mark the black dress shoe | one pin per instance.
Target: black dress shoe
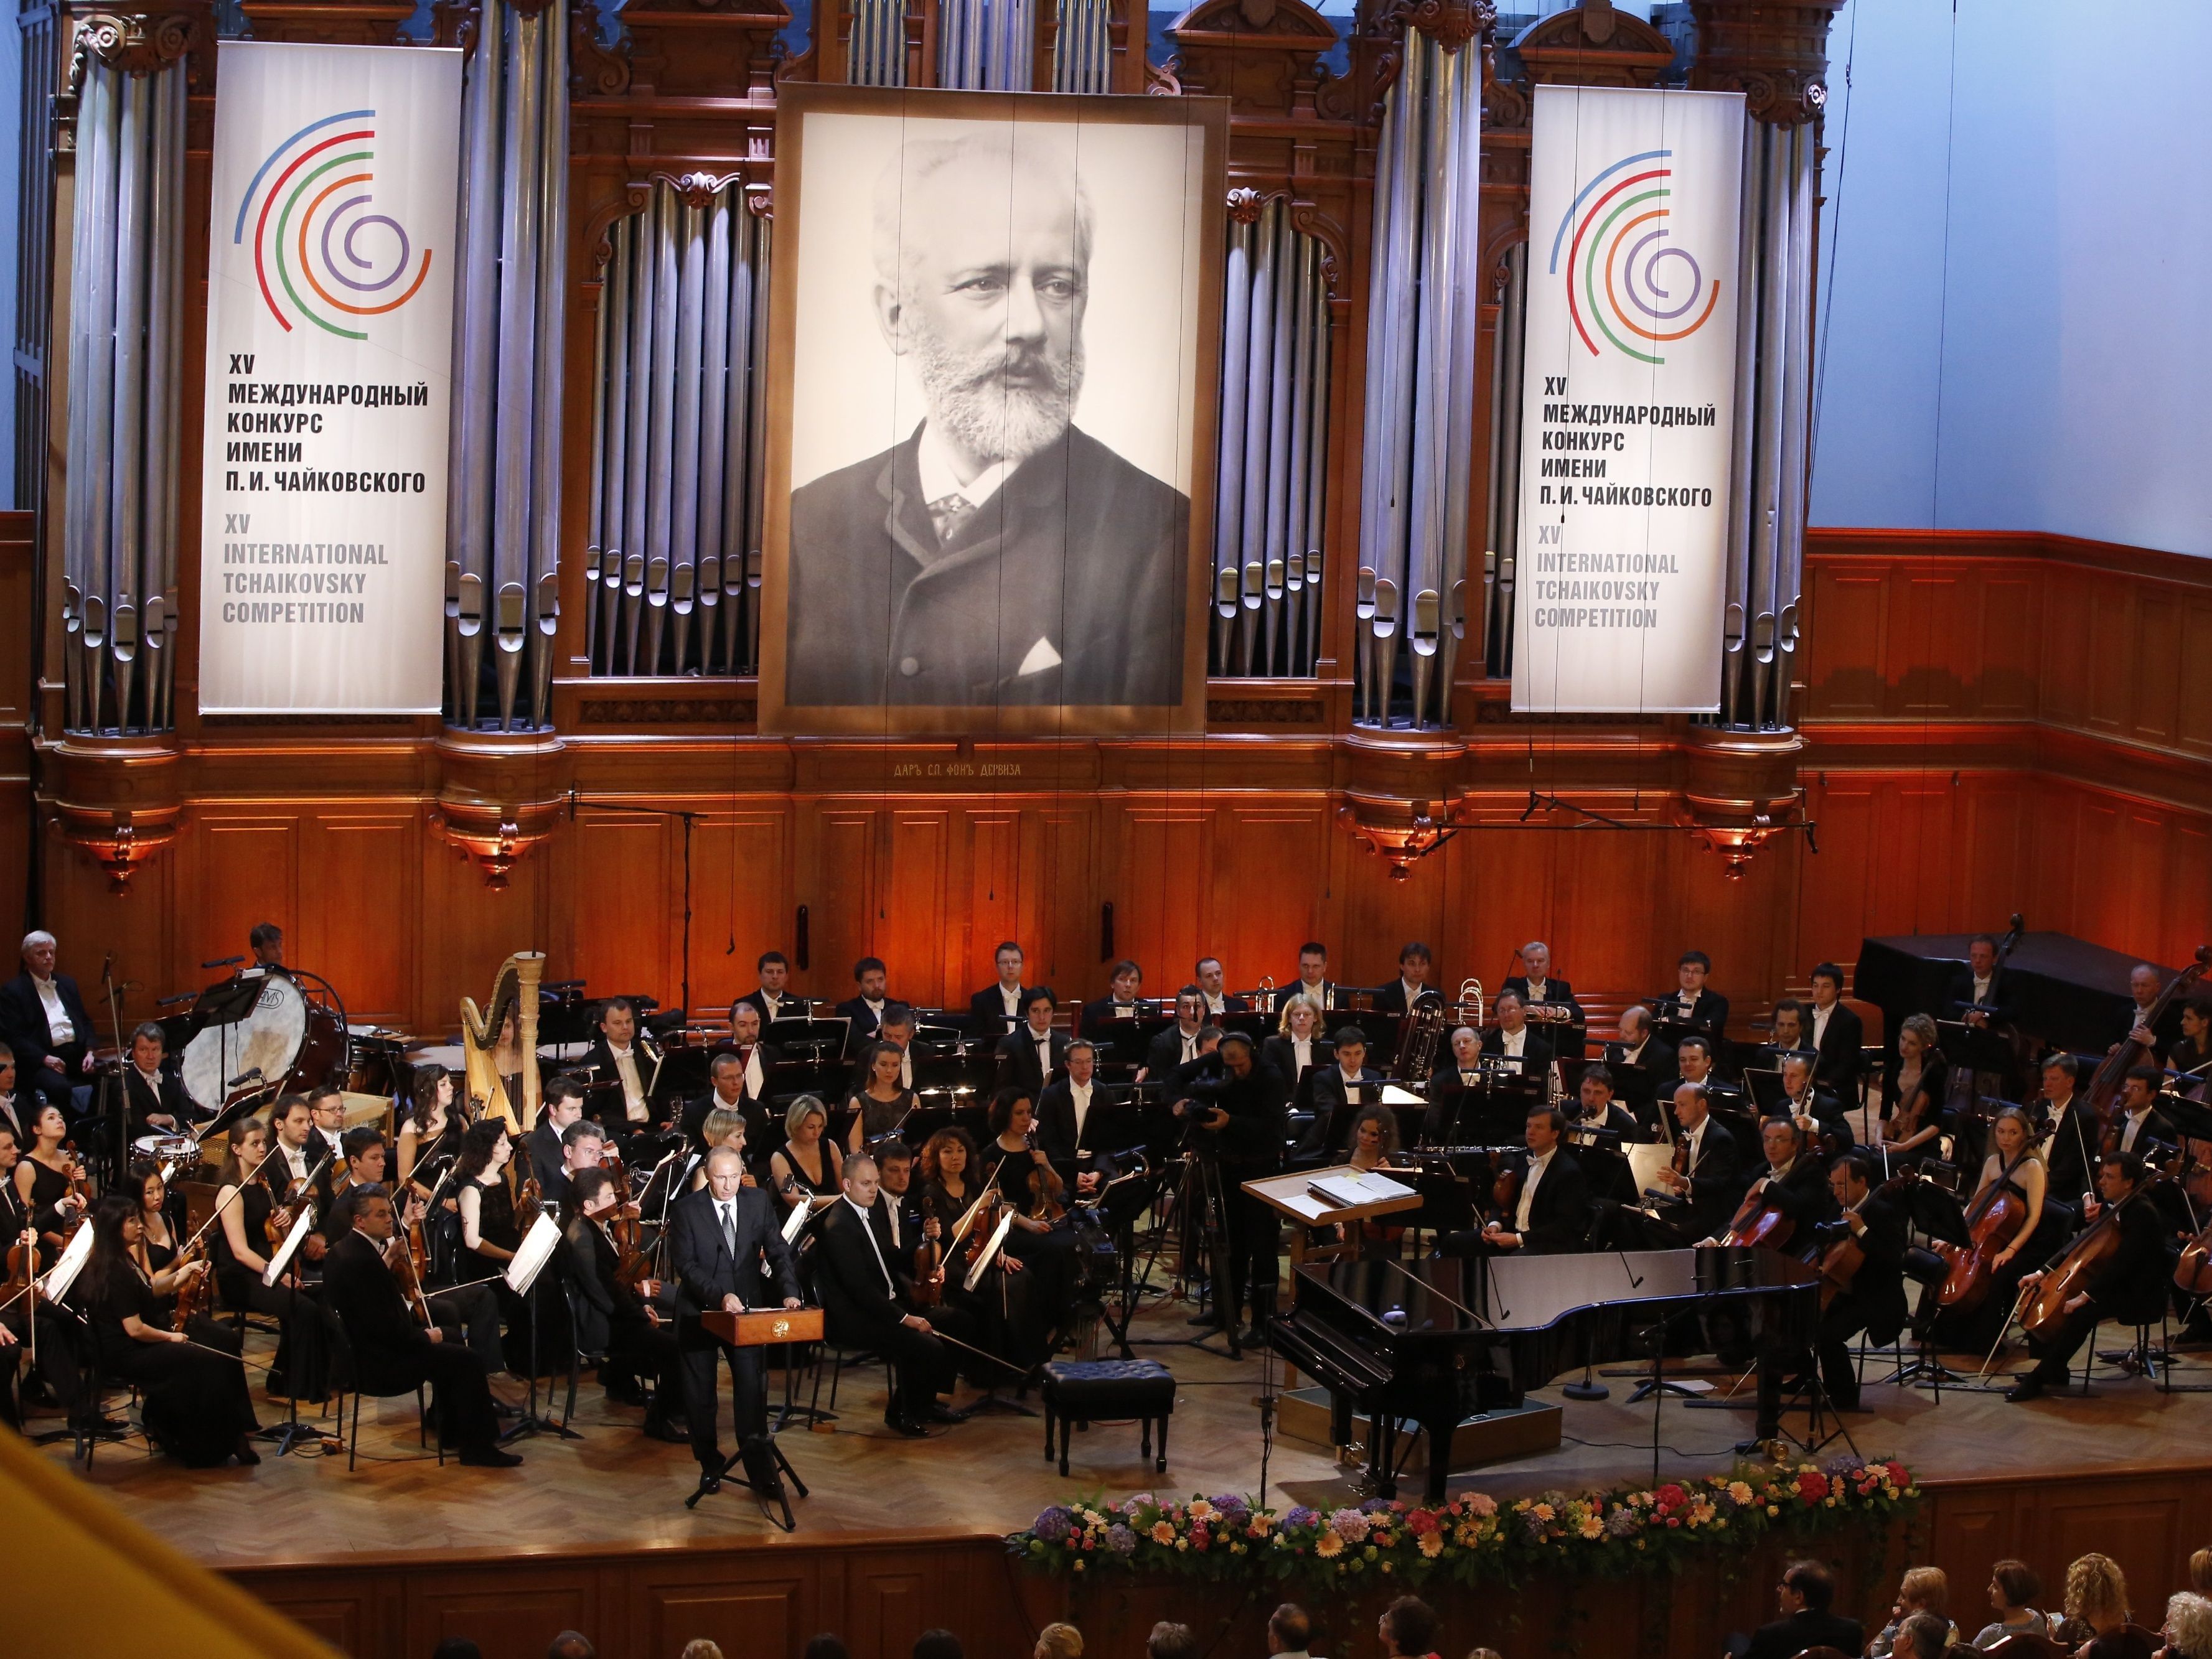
(245, 1454)
(504, 1412)
(489, 1457)
(938, 1413)
(2029, 1388)
(710, 1481)
(629, 1396)
(664, 1430)
(900, 1426)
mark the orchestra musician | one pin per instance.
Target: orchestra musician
(1239, 1109)
(865, 1011)
(723, 1127)
(46, 1179)
(617, 1318)
(1693, 1058)
(1912, 1095)
(865, 1306)
(1642, 1066)
(1373, 1141)
(2014, 1160)
(880, 1102)
(2129, 1287)
(1596, 1109)
(1212, 980)
(1451, 1085)
(1874, 1299)
(2190, 1054)
(1793, 1177)
(155, 1099)
(1414, 962)
(1695, 1004)
(807, 1169)
(1550, 1214)
(583, 1146)
(57, 1367)
(1178, 1044)
(394, 1351)
(14, 1114)
(755, 1058)
(2069, 1132)
(773, 999)
(1003, 1309)
(1707, 1173)
(562, 1109)
(1515, 1039)
(193, 1398)
(726, 1252)
(1535, 983)
(729, 1089)
(1033, 1191)
(1815, 1110)
(997, 1009)
(1064, 1112)
(1290, 1047)
(1787, 1033)
(904, 1224)
(1119, 1003)
(895, 1030)
(1344, 1083)
(625, 1064)
(44, 1022)
(2143, 990)
(430, 1136)
(1835, 1033)
(362, 1155)
(1979, 992)
(2139, 1126)
(1032, 1056)
(326, 1134)
(1313, 979)
(266, 942)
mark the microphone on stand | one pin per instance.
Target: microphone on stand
(244, 1077)
(227, 961)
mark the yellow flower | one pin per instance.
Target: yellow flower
(1545, 1512)
(1329, 1545)
(1592, 1526)
(1162, 1533)
(1182, 1543)
(1432, 1544)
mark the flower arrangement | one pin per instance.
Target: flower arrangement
(1469, 1539)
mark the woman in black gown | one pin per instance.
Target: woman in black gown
(192, 1384)
(879, 1105)
(1005, 1304)
(1027, 1178)
(44, 1177)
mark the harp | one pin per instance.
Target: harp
(516, 990)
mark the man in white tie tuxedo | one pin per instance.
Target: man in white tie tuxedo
(1029, 1058)
(774, 999)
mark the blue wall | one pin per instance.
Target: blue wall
(2015, 264)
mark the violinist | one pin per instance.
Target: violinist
(1550, 1214)
(364, 1155)
(904, 1222)
(1707, 1174)
(48, 1178)
(2070, 1137)
(395, 1350)
(294, 1124)
(1004, 1307)
(156, 1248)
(58, 1365)
(489, 1230)
(809, 1168)
(1864, 1267)
(1912, 1095)
(1693, 1058)
(617, 1316)
(866, 1307)
(2139, 1125)
(583, 1146)
(1036, 1195)
(880, 1104)
(430, 1134)
(327, 1113)
(2014, 1161)
(2127, 1284)
(548, 1160)
(193, 1397)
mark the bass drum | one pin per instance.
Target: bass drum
(293, 1042)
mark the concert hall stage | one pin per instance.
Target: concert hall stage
(900, 1535)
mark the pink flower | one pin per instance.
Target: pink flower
(1482, 1504)
(1812, 1486)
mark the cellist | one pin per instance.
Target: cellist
(1870, 1295)
(2014, 1161)
(2128, 1285)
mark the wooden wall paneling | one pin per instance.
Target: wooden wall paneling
(2138, 1529)
(2138, 881)
(2106, 639)
(914, 936)
(2011, 645)
(759, 1606)
(1995, 852)
(1831, 904)
(1601, 917)
(88, 920)
(838, 882)
(1917, 849)
(1063, 892)
(2185, 905)
(1001, 865)
(362, 872)
(467, 929)
(2152, 671)
(1381, 916)
(345, 1614)
(1267, 862)
(237, 869)
(1967, 1530)
(623, 885)
(2192, 720)
(2079, 866)
(1930, 647)
(1746, 926)
(2065, 661)
(741, 902)
(514, 1620)
(1848, 615)
(1162, 890)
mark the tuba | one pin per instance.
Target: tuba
(514, 990)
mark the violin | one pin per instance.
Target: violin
(529, 1205)
(929, 1274)
(22, 1265)
(1049, 1208)
(195, 1291)
(1993, 1221)
(80, 1185)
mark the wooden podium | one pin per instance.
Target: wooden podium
(1303, 1197)
(756, 1327)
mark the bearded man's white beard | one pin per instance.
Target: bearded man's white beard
(970, 396)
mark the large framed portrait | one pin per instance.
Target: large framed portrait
(994, 324)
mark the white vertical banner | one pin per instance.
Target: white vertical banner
(330, 255)
(1628, 400)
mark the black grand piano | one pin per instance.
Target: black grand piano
(2071, 994)
(1406, 1343)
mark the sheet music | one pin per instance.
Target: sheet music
(532, 1253)
(990, 1251)
(54, 1285)
(304, 1224)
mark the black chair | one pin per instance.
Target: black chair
(346, 1377)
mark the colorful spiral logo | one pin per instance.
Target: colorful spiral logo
(314, 229)
(1624, 274)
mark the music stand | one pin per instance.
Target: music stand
(1121, 1201)
(523, 1274)
(288, 1433)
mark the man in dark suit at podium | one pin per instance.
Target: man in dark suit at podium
(997, 1009)
(722, 1237)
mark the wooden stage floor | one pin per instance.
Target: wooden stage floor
(615, 1492)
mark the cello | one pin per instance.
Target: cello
(1992, 1221)
(2105, 1085)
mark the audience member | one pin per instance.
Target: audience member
(1922, 1589)
(1409, 1629)
(701, 1648)
(1288, 1631)
(2013, 1586)
(937, 1645)
(1483, 1653)
(1803, 1597)
(2200, 1572)
(457, 1647)
(1059, 1642)
(2188, 1626)
(1170, 1641)
(828, 1645)
(1923, 1636)
(572, 1644)
(2097, 1611)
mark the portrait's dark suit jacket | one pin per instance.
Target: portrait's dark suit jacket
(1079, 550)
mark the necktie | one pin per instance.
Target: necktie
(950, 513)
(729, 1228)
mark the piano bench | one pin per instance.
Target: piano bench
(1079, 1391)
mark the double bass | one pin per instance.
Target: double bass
(2105, 1085)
